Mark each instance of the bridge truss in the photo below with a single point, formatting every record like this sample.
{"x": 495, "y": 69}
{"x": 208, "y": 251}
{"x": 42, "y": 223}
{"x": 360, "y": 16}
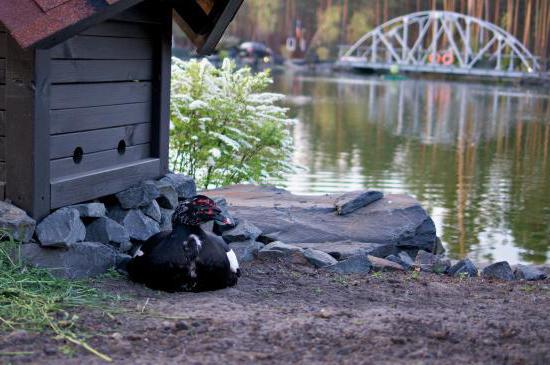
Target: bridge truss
{"x": 442, "y": 42}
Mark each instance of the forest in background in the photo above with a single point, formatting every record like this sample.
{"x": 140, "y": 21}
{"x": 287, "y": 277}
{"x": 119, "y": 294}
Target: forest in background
{"x": 328, "y": 23}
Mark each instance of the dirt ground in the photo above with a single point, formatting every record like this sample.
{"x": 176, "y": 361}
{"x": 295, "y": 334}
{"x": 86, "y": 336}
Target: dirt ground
{"x": 281, "y": 314}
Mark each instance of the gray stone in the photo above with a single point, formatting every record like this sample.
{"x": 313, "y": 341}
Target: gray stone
{"x": 393, "y": 258}
{"x": 139, "y": 195}
{"x": 139, "y": 226}
{"x": 544, "y": 268}
{"x": 344, "y": 249}
{"x": 184, "y": 185}
{"x": 116, "y": 213}
{"x": 359, "y": 264}
{"x": 221, "y": 202}
{"x": 77, "y": 261}
{"x": 425, "y": 260}
{"x": 441, "y": 266}
{"x": 350, "y": 202}
{"x": 90, "y": 210}
{"x": 166, "y": 219}
{"x": 279, "y": 249}
{"x": 122, "y": 263}
{"x": 403, "y": 259}
{"x": 60, "y": 228}
{"x": 168, "y": 197}
{"x": 106, "y": 230}
{"x": 439, "y": 249}
{"x": 429, "y": 262}
{"x": 499, "y": 270}
{"x": 396, "y": 220}
{"x": 153, "y": 211}
{"x": 529, "y": 273}
{"x": 319, "y": 258}
{"x": 123, "y": 247}
{"x": 247, "y": 250}
{"x": 243, "y": 232}
{"x": 379, "y": 264}
{"x": 464, "y": 267}
{"x": 16, "y": 222}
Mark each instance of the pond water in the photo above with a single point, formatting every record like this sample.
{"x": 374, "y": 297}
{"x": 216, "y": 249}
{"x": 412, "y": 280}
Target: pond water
{"x": 476, "y": 155}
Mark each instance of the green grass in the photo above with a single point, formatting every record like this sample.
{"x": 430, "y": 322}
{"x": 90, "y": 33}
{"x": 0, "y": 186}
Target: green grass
{"x": 415, "y": 275}
{"x": 32, "y": 299}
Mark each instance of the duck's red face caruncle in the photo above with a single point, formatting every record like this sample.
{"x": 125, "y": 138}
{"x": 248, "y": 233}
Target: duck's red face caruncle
{"x": 198, "y": 210}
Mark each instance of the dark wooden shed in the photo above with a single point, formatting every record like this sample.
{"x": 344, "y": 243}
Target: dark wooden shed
{"x": 84, "y": 93}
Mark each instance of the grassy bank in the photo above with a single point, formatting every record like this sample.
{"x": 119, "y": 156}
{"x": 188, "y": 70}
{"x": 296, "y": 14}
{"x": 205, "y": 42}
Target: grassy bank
{"x": 31, "y": 299}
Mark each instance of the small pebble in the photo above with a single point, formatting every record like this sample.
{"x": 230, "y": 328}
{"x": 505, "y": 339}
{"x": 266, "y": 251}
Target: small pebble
{"x": 181, "y": 326}
{"x": 50, "y": 351}
{"x": 167, "y": 325}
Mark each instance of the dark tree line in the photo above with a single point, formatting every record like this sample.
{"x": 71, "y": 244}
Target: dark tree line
{"x": 327, "y": 23}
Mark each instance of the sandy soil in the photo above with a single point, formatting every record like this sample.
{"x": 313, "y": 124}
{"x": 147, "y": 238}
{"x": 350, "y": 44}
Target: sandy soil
{"x": 281, "y": 314}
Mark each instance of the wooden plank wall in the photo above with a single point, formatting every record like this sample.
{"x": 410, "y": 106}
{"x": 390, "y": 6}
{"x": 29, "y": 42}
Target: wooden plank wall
{"x": 3, "y": 52}
{"x": 102, "y": 95}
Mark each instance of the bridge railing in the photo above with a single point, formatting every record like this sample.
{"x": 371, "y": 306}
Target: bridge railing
{"x": 508, "y": 62}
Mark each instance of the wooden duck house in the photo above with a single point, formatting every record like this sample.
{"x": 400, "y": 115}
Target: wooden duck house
{"x": 85, "y": 93}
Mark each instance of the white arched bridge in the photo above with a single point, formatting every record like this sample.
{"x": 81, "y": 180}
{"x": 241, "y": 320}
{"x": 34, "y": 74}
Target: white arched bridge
{"x": 441, "y": 42}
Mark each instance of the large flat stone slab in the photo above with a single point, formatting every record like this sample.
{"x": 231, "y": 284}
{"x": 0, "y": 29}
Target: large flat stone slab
{"x": 281, "y": 216}
{"x": 342, "y": 250}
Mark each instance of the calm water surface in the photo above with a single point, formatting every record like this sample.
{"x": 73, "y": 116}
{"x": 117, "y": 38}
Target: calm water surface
{"x": 475, "y": 155}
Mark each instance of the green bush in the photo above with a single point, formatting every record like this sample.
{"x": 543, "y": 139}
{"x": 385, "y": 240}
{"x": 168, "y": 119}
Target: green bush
{"x": 225, "y": 128}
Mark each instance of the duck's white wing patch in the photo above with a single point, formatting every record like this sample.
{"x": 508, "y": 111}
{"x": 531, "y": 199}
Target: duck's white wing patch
{"x": 233, "y": 262}
{"x": 196, "y": 239}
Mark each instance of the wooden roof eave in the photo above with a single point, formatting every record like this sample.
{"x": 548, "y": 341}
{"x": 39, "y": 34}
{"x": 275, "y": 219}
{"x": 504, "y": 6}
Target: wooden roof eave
{"x": 205, "y": 41}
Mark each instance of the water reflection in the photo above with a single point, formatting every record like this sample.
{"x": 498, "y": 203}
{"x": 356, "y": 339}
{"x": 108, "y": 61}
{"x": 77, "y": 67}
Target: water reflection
{"x": 475, "y": 155}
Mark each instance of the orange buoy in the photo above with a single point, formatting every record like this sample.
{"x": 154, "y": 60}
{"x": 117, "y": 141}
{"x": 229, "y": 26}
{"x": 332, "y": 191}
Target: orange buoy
{"x": 447, "y": 59}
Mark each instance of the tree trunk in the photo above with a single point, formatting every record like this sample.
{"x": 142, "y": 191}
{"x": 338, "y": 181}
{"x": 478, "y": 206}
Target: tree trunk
{"x": 515, "y": 31}
{"x": 527, "y": 26}
{"x": 377, "y": 12}
{"x": 510, "y": 16}
{"x": 497, "y": 13}
{"x": 345, "y": 7}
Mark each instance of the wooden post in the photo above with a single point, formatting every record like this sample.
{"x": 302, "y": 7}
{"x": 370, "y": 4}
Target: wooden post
{"x": 161, "y": 110}
{"x": 27, "y": 129}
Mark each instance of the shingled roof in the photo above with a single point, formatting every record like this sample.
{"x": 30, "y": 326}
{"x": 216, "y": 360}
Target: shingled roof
{"x": 44, "y": 23}
{"x": 32, "y": 21}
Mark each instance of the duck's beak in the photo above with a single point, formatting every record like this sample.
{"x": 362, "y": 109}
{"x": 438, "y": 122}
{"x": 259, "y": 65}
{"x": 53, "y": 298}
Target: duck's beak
{"x": 223, "y": 219}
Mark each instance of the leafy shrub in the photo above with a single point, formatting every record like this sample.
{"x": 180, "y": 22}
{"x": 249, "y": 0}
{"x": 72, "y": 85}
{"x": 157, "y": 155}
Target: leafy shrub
{"x": 224, "y": 128}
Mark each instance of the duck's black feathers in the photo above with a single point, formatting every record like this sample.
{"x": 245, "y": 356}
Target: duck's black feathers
{"x": 187, "y": 258}
{"x": 167, "y": 262}
{"x": 213, "y": 267}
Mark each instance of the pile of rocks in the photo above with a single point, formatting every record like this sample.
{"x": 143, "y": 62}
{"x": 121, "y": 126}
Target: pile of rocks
{"x": 501, "y": 270}
{"x": 351, "y": 233}
{"x": 362, "y": 262}
{"x": 87, "y": 239}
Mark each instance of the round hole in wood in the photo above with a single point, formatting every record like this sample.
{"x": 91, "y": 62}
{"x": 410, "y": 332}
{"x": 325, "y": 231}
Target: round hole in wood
{"x": 121, "y": 147}
{"x": 77, "y": 155}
